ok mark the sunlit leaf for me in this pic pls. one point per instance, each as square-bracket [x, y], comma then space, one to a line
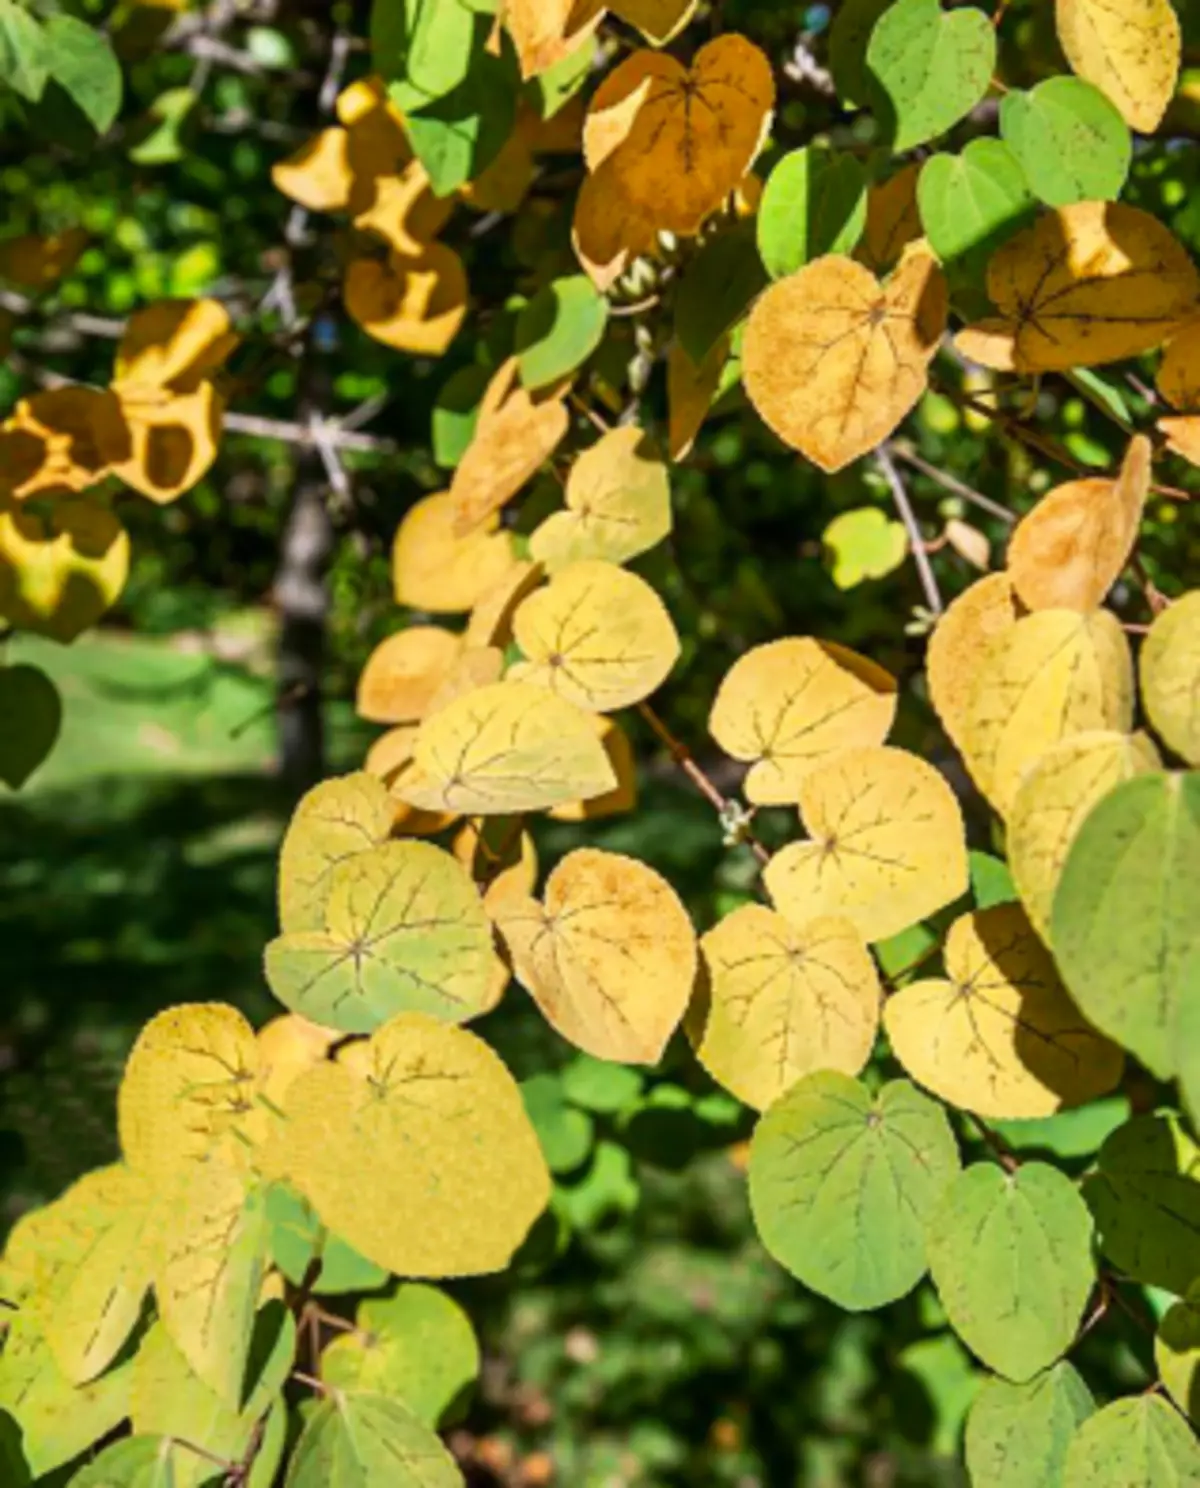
[969, 202]
[490, 621]
[301, 1245]
[1072, 144]
[402, 210]
[172, 345]
[478, 666]
[404, 672]
[61, 572]
[893, 221]
[1137, 1442]
[353, 1437]
[1129, 50]
[1178, 378]
[623, 797]
[959, 643]
[545, 32]
[412, 303]
[1170, 676]
[435, 570]
[864, 544]
[814, 202]
[1177, 1352]
[334, 821]
[1017, 1435]
[927, 68]
[60, 439]
[559, 329]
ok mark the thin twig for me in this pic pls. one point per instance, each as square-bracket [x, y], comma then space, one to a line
[951, 483]
[311, 1381]
[310, 435]
[929, 583]
[1004, 1154]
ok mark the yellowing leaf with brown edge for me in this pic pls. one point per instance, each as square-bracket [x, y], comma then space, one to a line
[187, 1098]
[1170, 674]
[545, 32]
[1053, 674]
[174, 441]
[1130, 50]
[404, 672]
[1178, 378]
[435, 570]
[786, 707]
[833, 360]
[516, 434]
[1090, 283]
[623, 797]
[691, 389]
[618, 504]
[490, 622]
[886, 844]
[334, 821]
[413, 303]
[999, 1035]
[456, 1174]
[404, 212]
[609, 955]
[172, 345]
[1056, 792]
[504, 749]
[1072, 547]
[598, 636]
[693, 135]
[65, 438]
[959, 642]
[780, 1000]
[60, 572]
[893, 220]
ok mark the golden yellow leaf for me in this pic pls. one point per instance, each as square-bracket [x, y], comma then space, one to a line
[608, 232]
[886, 844]
[969, 543]
[456, 1174]
[597, 635]
[413, 303]
[959, 642]
[1055, 794]
[490, 622]
[187, 1096]
[174, 441]
[403, 210]
[1170, 673]
[1089, 283]
[833, 360]
[657, 20]
[1183, 436]
[404, 672]
[477, 666]
[334, 821]
[1130, 50]
[287, 1046]
[503, 749]
[516, 434]
[788, 706]
[434, 570]
[60, 572]
[690, 393]
[893, 221]
[1053, 674]
[609, 955]
[999, 1035]
[365, 105]
[547, 31]
[781, 1000]
[618, 504]
[623, 797]
[171, 347]
[60, 439]
[35, 262]
[500, 858]
[1178, 378]
[318, 174]
[1072, 547]
[389, 754]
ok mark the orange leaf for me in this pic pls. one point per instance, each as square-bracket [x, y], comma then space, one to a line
[413, 303]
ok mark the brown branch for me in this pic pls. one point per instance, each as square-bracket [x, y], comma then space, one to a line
[951, 483]
[1005, 1156]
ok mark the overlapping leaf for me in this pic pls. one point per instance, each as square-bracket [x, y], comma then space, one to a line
[960, 641]
[1018, 1435]
[1170, 676]
[334, 821]
[359, 1437]
[60, 572]
[413, 303]
[1138, 1442]
[1129, 50]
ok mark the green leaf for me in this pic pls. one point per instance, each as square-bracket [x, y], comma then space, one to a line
[841, 1185]
[359, 1440]
[31, 710]
[814, 202]
[556, 86]
[24, 54]
[969, 204]
[1177, 1352]
[991, 882]
[559, 329]
[158, 139]
[417, 1347]
[1137, 1443]
[1069, 1134]
[864, 544]
[421, 48]
[1011, 1257]
[928, 68]
[136, 1462]
[1145, 1196]
[717, 288]
[1018, 1435]
[565, 1133]
[597, 1085]
[607, 1188]
[297, 1238]
[849, 37]
[1124, 927]
[456, 412]
[1070, 140]
[83, 63]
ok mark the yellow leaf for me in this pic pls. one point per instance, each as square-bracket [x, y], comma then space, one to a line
[959, 643]
[969, 543]
[404, 672]
[503, 749]
[333, 822]
[413, 303]
[287, 1046]
[893, 221]
[1089, 283]
[609, 956]
[690, 393]
[1072, 547]
[34, 262]
[788, 706]
[174, 442]
[658, 20]
[598, 636]
[456, 1174]
[623, 797]
[1170, 671]
[388, 758]
[187, 1096]
[1056, 792]
[781, 1000]
[887, 844]
[1178, 377]
[618, 504]
[833, 360]
[318, 174]
[435, 570]
[516, 434]
[1130, 50]
[477, 667]
[490, 622]
[608, 232]
[1183, 436]
[999, 1035]
[172, 346]
[60, 439]
[404, 212]
[545, 32]
[1051, 675]
[59, 573]
[504, 184]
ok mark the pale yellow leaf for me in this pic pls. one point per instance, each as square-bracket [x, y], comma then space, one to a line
[435, 570]
[334, 821]
[1170, 670]
[1129, 49]
[959, 642]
